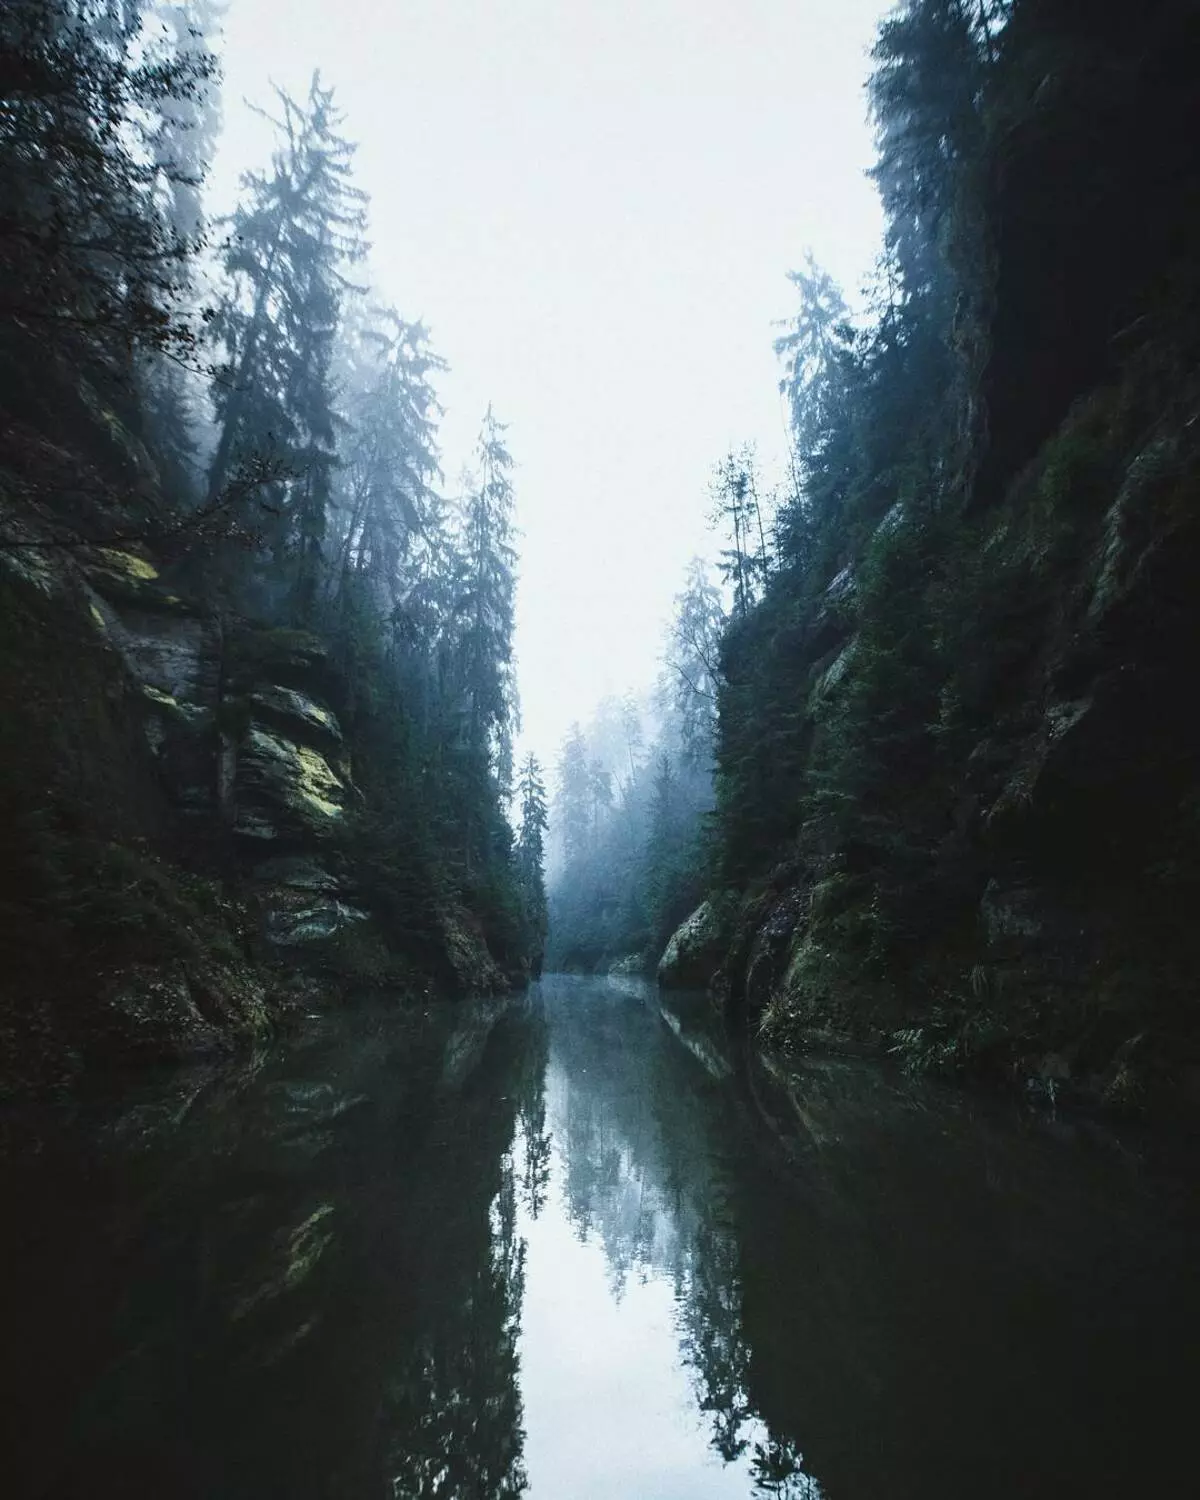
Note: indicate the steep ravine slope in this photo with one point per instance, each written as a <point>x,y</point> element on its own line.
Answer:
<point>1051,929</point>
<point>178,792</point>
<point>987,856</point>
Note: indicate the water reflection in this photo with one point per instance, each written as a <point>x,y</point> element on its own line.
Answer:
<point>563,1248</point>
<point>640,1166</point>
<point>301,1277</point>
<point>884,1289</point>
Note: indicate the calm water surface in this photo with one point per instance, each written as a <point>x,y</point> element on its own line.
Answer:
<point>562,1247</point>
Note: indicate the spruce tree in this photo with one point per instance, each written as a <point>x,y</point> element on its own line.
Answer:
<point>294,236</point>
<point>531,852</point>
<point>387,508</point>
<point>737,507</point>
<point>693,660</point>
<point>573,808</point>
<point>486,604</point>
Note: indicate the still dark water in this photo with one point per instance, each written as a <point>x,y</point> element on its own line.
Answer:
<point>550,1247</point>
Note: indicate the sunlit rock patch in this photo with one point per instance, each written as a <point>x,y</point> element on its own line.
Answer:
<point>297,713</point>
<point>283,786</point>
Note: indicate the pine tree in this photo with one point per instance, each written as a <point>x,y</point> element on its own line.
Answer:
<point>737,506</point>
<point>819,375</point>
<point>535,819</point>
<point>531,852</point>
<point>573,807</point>
<point>667,848</point>
<point>600,794</point>
<point>631,726</point>
<point>388,511</point>
<point>924,96</point>
<point>184,137</point>
<point>293,237</point>
<point>693,659</point>
<point>486,605</point>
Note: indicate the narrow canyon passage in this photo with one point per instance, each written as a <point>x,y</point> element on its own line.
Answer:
<point>566,1245</point>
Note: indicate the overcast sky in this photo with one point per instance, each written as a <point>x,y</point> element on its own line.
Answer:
<point>593,205</point>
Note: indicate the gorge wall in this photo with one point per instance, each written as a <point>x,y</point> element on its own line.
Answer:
<point>180,806</point>
<point>959,761</point>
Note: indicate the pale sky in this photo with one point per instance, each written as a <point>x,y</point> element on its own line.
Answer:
<point>593,205</point>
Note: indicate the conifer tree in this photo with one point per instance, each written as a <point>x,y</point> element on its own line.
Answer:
<point>293,237</point>
<point>389,460</point>
<point>737,506</point>
<point>819,374</point>
<point>693,660</point>
<point>574,802</point>
<point>184,137</point>
<point>531,851</point>
<point>486,603</point>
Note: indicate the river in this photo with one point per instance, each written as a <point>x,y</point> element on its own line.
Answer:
<point>561,1246</point>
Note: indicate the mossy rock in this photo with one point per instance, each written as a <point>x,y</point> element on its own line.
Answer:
<point>284,788</point>
<point>298,872</point>
<point>694,952</point>
<point>130,581</point>
<point>297,715</point>
<point>307,923</point>
<point>473,970</point>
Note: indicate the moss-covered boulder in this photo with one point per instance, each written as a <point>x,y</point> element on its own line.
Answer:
<point>285,790</point>
<point>694,952</point>
<point>129,580</point>
<point>300,922</point>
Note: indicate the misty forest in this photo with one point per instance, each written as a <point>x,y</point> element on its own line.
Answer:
<point>780,1081</point>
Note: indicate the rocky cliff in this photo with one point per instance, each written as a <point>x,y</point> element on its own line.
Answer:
<point>959,759</point>
<point>180,800</point>
<point>1049,908</point>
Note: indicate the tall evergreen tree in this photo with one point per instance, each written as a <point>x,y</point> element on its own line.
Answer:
<point>387,508</point>
<point>819,373</point>
<point>184,138</point>
<point>693,660</point>
<point>737,507</point>
<point>486,604</point>
<point>294,236</point>
<point>573,806</point>
<point>531,851</point>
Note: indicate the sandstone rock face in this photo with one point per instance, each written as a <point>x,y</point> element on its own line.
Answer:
<point>692,955</point>
<point>173,652</point>
<point>240,722</point>
<point>284,791</point>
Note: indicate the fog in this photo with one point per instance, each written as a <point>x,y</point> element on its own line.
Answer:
<point>593,206</point>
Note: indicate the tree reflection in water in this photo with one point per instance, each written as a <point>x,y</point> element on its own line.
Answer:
<point>455,1411</point>
<point>303,1276</point>
<point>543,1246</point>
<point>637,1135</point>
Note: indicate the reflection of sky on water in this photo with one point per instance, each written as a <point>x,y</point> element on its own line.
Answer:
<point>545,1247</point>
<point>630,1383</point>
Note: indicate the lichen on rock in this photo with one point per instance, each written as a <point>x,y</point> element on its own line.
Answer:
<point>285,787</point>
